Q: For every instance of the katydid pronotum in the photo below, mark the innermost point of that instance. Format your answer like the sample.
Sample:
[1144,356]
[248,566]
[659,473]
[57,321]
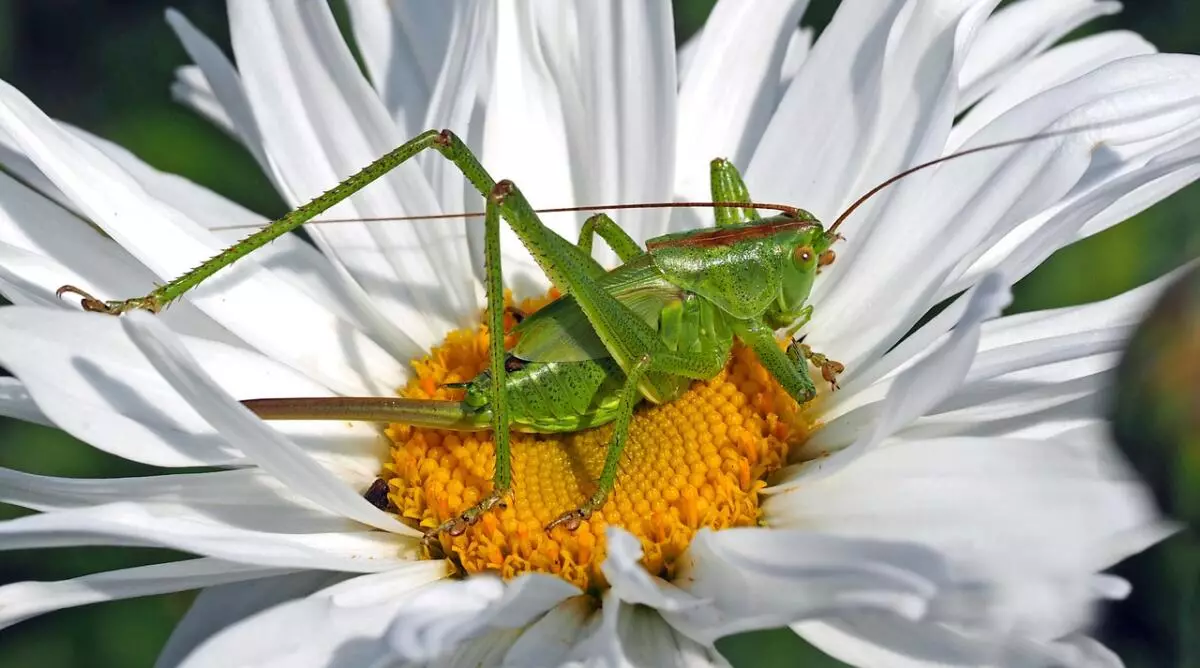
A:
[668,315]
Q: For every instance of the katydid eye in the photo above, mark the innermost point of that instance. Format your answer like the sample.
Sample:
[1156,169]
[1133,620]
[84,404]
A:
[826,258]
[804,255]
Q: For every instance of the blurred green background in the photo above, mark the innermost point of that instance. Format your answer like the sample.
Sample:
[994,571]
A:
[105,65]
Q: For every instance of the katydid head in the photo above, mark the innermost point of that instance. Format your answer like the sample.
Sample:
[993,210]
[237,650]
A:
[809,251]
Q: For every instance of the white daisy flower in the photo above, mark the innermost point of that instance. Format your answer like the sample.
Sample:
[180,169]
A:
[953,504]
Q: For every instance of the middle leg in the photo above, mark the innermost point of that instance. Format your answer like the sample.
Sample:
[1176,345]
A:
[699,366]
[727,186]
[606,228]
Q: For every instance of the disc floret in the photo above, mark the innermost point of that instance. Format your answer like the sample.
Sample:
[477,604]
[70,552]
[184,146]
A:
[696,462]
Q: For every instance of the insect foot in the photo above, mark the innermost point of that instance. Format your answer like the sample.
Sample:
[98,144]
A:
[570,519]
[94,305]
[457,526]
[830,369]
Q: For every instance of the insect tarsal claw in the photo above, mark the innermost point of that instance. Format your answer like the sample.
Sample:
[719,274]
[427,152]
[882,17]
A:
[87,301]
[570,520]
[91,304]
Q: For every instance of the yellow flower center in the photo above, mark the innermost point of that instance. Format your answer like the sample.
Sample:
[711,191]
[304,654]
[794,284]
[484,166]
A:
[695,462]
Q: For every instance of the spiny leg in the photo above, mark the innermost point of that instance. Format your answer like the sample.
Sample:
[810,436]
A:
[444,141]
[568,266]
[830,369]
[702,365]
[801,320]
[630,396]
[790,369]
[633,343]
[728,186]
[164,294]
[498,402]
[618,239]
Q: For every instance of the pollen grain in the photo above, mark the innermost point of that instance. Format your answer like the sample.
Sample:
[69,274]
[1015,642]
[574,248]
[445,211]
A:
[695,462]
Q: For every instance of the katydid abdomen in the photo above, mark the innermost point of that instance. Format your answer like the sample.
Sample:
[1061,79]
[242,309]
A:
[580,389]
[543,398]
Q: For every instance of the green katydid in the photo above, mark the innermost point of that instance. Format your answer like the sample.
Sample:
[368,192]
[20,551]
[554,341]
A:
[645,330]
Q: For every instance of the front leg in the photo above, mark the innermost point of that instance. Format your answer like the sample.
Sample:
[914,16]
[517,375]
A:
[830,369]
[618,239]
[699,366]
[790,370]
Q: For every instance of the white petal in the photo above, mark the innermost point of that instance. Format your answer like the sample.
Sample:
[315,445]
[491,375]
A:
[22,600]
[1035,408]
[1092,653]
[261,309]
[245,498]
[16,403]
[46,246]
[597,79]
[486,651]
[326,278]
[873,640]
[404,45]
[1016,34]
[622,129]
[632,584]
[858,63]
[218,607]
[798,49]
[600,644]
[438,619]
[96,397]
[1035,373]
[129,524]
[748,579]
[1142,107]
[686,52]
[1062,505]
[647,640]
[919,388]
[1118,312]
[339,626]
[17,164]
[191,89]
[269,449]
[1052,68]
[288,256]
[525,136]
[732,87]
[223,84]
[633,636]
[292,56]
[457,103]
[88,378]
[550,639]
[1097,209]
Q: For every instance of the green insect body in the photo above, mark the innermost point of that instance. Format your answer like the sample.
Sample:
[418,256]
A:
[560,377]
[668,315]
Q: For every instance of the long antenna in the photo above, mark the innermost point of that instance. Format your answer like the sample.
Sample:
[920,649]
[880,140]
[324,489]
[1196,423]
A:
[785,209]
[946,158]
